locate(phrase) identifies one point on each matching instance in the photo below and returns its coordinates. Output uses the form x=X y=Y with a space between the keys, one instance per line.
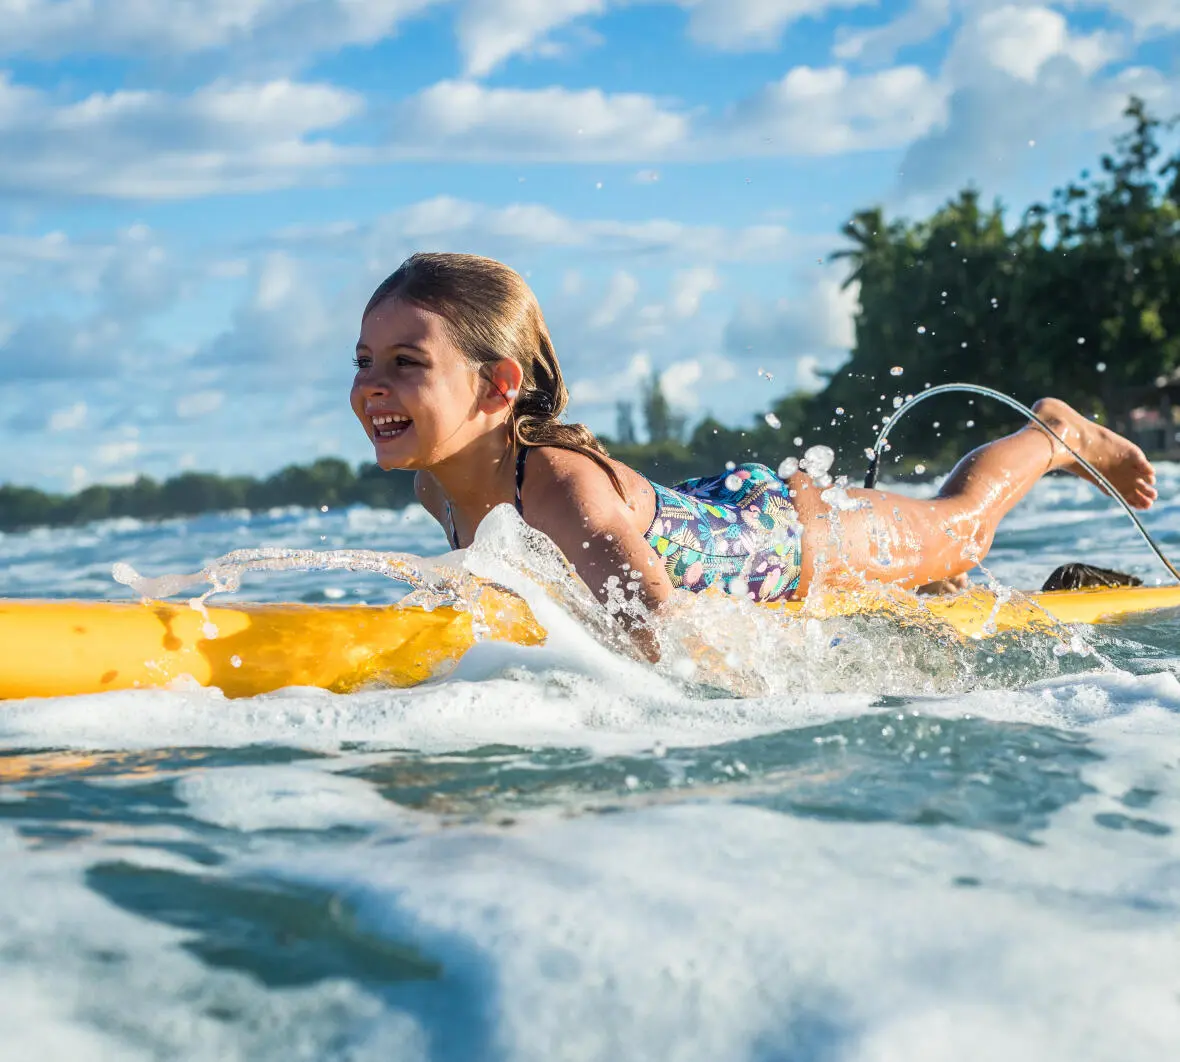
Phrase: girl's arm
x=570 y=499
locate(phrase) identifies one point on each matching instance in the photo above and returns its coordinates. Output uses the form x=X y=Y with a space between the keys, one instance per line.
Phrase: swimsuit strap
x=524 y=451
x=453 y=535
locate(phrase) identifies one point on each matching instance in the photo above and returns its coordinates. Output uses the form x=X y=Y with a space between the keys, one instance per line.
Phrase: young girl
x=456 y=378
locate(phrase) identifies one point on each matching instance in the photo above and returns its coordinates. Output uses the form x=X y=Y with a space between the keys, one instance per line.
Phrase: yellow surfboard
x=55 y=648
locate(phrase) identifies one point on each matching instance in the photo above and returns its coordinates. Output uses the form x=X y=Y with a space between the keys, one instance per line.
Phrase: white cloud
x=21 y=251
x=681 y=383
x=809 y=111
x=1020 y=41
x=792 y=337
x=198 y=404
x=463 y=119
x=71 y=418
x=1018 y=77
x=749 y=25
x=838 y=305
x=295 y=28
x=223 y=137
x=490 y=31
x=286 y=323
x=624 y=385
x=509 y=231
x=880 y=44
x=1149 y=18
x=118 y=452
x=689 y=286
x=830 y=111
x=620 y=294
x=689 y=384
x=78 y=306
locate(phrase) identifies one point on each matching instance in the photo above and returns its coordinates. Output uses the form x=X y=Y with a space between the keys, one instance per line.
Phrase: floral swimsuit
x=737 y=530
x=733 y=529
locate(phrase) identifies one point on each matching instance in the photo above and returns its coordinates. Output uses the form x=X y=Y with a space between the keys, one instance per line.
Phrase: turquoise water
x=890 y=846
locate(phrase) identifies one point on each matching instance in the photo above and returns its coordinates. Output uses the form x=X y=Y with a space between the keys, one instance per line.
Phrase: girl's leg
x=909 y=542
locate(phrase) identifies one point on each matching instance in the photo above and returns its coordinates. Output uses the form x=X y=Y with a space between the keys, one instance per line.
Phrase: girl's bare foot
x=1118 y=459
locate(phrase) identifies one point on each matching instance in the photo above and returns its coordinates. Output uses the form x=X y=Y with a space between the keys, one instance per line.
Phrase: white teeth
x=392 y=418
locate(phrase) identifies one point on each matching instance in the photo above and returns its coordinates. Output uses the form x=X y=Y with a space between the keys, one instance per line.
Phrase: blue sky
x=198 y=196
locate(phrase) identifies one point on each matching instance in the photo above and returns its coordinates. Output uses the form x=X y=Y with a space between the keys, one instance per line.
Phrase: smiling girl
x=457 y=379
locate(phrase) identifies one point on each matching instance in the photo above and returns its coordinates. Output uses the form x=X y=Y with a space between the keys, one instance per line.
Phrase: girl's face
x=414 y=393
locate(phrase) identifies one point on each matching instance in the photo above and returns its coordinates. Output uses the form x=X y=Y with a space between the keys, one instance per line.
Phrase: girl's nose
x=373 y=386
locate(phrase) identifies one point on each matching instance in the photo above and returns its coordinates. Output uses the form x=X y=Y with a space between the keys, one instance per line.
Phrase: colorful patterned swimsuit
x=725 y=530
x=739 y=527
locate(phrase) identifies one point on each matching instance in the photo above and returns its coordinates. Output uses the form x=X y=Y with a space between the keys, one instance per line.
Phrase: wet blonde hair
x=492 y=314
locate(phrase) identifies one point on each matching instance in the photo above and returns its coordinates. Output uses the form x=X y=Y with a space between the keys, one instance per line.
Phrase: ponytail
x=536 y=409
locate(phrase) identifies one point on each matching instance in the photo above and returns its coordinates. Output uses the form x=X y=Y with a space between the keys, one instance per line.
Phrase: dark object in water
x=1077 y=576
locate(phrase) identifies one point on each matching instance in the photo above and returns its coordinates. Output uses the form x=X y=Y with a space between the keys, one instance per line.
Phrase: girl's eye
x=403 y=361
x=361 y=362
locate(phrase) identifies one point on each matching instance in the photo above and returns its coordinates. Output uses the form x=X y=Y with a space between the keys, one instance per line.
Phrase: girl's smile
x=388 y=426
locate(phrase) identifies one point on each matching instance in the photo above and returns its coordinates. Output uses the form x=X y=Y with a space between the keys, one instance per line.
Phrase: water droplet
x=1081 y=341
x=971 y=424
x=733 y=483
x=897 y=370
x=920 y=469
x=897 y=401
x=729 y=466
x=921 y=330
x=773 y=421
x=839 y=411
x=817 y=460
x=1101 y=366
x=798 y=440
x=236 y=660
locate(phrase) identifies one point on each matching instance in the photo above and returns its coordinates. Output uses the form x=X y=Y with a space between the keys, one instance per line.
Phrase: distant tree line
x=328 y=481
x=1080 y=299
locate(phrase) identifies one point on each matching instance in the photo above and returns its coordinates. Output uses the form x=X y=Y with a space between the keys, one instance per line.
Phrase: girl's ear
x=503 y=382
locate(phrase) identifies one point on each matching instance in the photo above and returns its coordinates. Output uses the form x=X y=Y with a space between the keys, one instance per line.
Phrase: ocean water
x=861 y=843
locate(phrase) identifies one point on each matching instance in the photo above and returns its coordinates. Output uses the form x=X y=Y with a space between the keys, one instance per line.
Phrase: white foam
x=302 y=796
x=702 y=932
x=84 y=979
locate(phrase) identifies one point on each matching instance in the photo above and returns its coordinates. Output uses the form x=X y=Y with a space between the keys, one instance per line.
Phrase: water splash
x=434 y=581
x=710 y=644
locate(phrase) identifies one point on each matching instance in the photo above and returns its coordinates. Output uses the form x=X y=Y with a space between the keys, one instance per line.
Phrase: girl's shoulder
x=554 y=474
